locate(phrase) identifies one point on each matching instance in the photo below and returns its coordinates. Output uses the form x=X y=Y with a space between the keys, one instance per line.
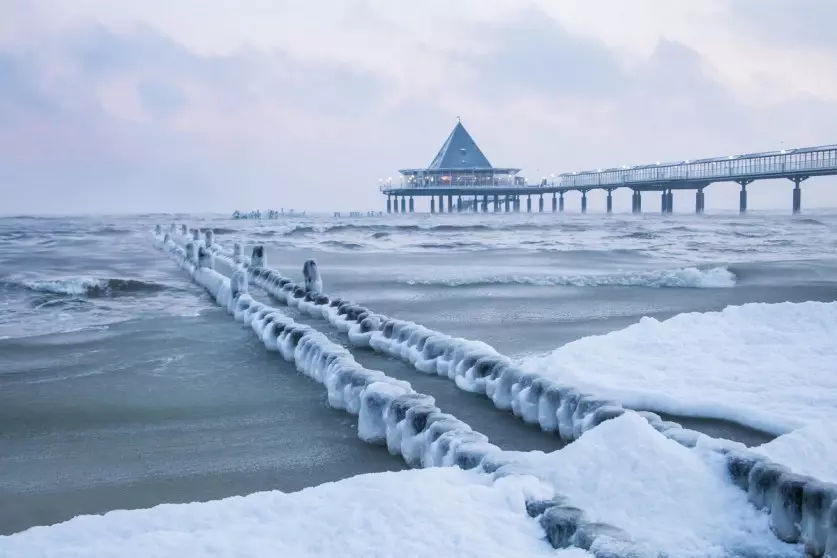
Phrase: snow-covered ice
x=811 y=450
x=430 y=513
x=768 y=366
x=677 y=501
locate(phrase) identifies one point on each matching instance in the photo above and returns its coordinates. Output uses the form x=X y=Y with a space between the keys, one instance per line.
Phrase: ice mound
x=811 y=450
x=767 y=366
x=430 y=513
x=673 y=499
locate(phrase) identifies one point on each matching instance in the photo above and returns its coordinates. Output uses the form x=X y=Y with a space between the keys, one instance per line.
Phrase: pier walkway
x=470 y=187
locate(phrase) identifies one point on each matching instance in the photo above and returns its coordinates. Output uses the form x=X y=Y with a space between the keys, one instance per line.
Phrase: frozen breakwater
x=390 y=412
x=802 y=509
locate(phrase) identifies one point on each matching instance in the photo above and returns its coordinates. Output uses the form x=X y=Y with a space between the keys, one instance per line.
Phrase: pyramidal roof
x=460 y=151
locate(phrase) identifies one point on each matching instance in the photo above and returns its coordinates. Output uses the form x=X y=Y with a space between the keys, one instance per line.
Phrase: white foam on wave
x=418 y=514
x=687 y=277
x=768 y=366
x=67 y=285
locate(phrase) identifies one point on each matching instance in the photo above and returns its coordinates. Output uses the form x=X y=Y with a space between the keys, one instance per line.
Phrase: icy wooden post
x=205 y=258
x=313 y=281
x=190 y=252
x=258 y=259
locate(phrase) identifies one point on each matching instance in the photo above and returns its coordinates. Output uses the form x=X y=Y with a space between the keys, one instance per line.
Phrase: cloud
x=130 y=116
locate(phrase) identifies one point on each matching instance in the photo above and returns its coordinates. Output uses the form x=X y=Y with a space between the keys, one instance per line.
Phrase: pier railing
x=813 y=160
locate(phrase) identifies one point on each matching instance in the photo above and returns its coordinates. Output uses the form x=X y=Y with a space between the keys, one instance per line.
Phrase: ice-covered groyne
x=390 y=412
x=802 y=509
x=474 y=366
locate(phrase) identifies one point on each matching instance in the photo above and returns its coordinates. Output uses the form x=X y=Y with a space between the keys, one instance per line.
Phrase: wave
x=109 y=231
x=300 y=230
x=687 y=277
x=89 y=286
x=343 y=245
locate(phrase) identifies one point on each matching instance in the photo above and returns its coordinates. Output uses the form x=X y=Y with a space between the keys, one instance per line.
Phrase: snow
x=430 y=513
x=767 y=366
x=811 y=450
x=675 y=500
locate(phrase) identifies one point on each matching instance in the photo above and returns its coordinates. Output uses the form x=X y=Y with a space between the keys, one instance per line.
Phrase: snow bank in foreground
x=811 y=450
x=429 y=513
x=768 y=366
x=676 y=500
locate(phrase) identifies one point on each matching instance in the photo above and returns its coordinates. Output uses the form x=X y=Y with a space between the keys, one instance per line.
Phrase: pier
x=460 y=178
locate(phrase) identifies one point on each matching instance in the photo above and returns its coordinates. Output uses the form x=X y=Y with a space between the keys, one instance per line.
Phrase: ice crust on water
x=707 y=364
x=430 y=513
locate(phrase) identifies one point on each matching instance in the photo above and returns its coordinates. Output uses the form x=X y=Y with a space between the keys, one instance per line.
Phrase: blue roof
x=460 y=151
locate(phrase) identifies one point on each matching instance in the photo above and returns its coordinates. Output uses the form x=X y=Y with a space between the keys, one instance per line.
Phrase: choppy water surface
x=121 y=385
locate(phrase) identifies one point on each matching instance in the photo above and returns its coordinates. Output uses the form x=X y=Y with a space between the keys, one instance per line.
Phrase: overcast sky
x=190 y=105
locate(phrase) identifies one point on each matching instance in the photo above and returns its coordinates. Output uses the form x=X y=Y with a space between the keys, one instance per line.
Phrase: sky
x=194 y=106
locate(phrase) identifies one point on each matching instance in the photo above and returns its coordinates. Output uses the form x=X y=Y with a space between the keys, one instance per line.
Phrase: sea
x=123 y=386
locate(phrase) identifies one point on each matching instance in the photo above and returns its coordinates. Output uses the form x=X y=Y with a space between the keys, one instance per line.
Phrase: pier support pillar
x=476 y=204
x=742 y=196
x=432 y=205
x=403 y=205
x=561 y=202
x=395 y=204
x=554 y=203
x=508 y=204
x=389 y=204
x=670 y=201
x=459 y=204
x=633 y=201
x=485 y=203
x=639 y=201
x=584 y=201
x=664 y=202
x=797 y=193
x=699 y=201
x=517 y=204
x=496 y=203
x=412 y=205
x=540 y=204
x=450 y=204
x=528 y=204
x=609 y=202
x=441 y=204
